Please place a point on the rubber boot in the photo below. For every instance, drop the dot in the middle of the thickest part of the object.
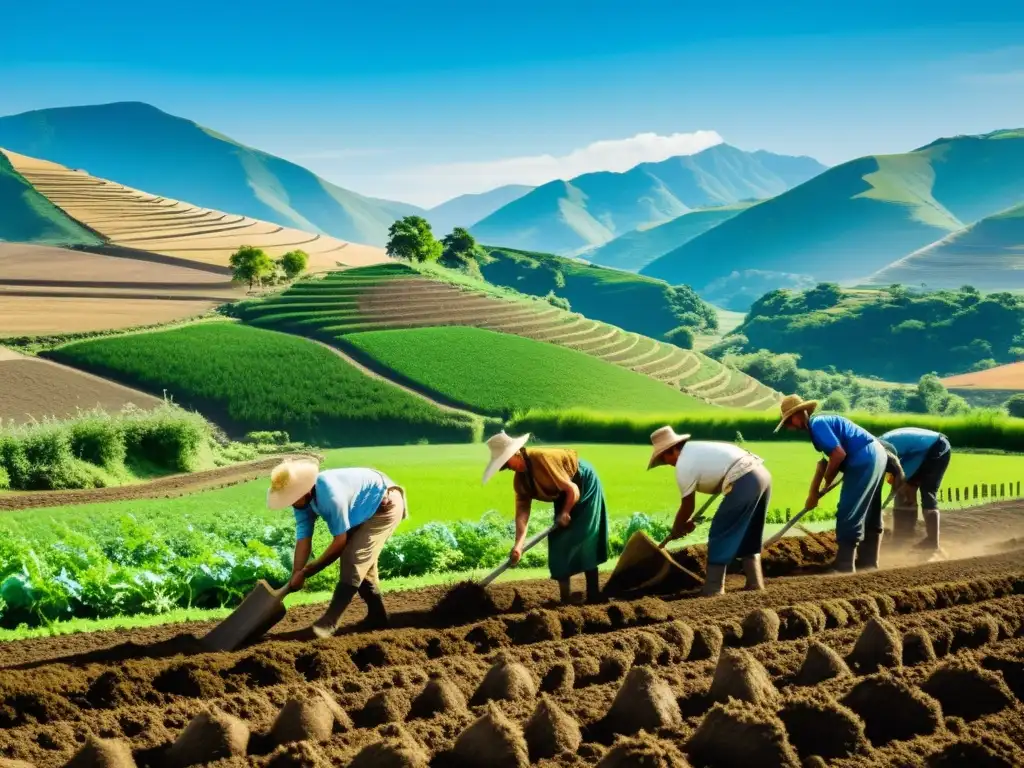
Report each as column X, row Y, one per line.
column 376, row 613
column 327, row 624
column 845, row 559
column 565, row 591
column 930, row 543
column 752, row 570
column 714, row 584
column 593, row 588
column 869, row 551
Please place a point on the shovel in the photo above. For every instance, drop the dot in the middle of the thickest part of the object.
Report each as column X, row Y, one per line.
column 696, row 519
column 528, row 545
column 259, row 611
column 796, row 518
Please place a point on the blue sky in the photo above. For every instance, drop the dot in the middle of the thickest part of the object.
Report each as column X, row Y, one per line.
column 420, row 101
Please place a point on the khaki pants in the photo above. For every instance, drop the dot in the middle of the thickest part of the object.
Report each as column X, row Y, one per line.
column 366, row 541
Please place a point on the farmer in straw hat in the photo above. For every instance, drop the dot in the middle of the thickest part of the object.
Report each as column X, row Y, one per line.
column 580, row 542
column 853, row 451
column 362, row 508
column 738, row 525
column 924, row 457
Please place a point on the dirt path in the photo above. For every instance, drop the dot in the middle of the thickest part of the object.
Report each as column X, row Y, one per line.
column 162, row 488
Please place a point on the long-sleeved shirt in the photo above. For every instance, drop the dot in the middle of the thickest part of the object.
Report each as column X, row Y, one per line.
column 343, row 498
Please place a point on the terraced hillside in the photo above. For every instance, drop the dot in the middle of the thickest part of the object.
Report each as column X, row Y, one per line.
column 137, row 220
column 988, row 255
column 393, row 297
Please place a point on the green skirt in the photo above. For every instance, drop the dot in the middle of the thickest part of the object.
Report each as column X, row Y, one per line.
column 584, row 544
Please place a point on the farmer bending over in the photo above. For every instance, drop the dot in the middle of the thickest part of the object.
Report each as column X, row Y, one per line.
column 924, row 456
column 860, row 457
column 579, row 543
column 362, row 508
column 738, row 525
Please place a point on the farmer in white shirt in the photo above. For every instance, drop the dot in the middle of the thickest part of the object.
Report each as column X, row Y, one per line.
column 745, row 485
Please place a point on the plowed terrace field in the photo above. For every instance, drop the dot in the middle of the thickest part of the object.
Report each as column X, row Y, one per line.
column 918, row 664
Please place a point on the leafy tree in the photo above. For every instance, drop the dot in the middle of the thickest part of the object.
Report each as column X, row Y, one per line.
column 823, row 296
column 294, row 263
column 682, row 336
column 250, row 265
column 837, row 402
column 459, row 250
column 873, row 404
column 1015, row 406
column 411, row 239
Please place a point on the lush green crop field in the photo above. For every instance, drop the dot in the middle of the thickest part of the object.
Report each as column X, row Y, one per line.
column 498, row 374
column 246, row 378
column 164, row 555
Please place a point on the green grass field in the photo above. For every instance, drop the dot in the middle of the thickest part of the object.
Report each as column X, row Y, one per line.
column 497, row 374
column 246, row 378
column 27, row 216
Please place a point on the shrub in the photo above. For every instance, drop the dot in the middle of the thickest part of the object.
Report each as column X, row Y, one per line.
column 294, row 263
column 682, row 337
column 557, row 301
column 266, row 437
column 837, row 402
column 98, row 439
column 1015, row 406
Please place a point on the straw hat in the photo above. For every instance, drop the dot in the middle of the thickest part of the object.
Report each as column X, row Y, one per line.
column 502, row 449
column 664, row 439
column 290, row 481
column 792, row 405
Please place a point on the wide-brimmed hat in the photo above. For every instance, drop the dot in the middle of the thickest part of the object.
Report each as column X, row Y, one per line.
column 664, row 439
column 290, row 481
column 502, row 447
column 792, row 405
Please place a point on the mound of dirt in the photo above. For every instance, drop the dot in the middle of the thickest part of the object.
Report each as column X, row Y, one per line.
column 111, row 689
column 820, row 664
column 551, row 731
column 491, row 741
column 398, row 749
column 301, row 754
column 34, row 706
column 438, row 697
column 879, row 645
column 536, row 627
column 967, row 692
column 209, row 736
column 311, row 718
column 650, row 649
column 801, row 620
column 986, row 752
column 561, row 678
column 818, row 725
column 6, row 763
column 103, row 753
column 643, row 751
column 323, row 663
column 707, row 642
column 260, row 669
column 837, row 613
column 679, row 636
column 740, row 676
column 736, row 734
column 892, row 710
column 613, row 666
column 506, row 680
column 981, row 630
column 465, row 602
column 645, row 702
column 917, row 647
column 390, row 706
column 187, row 679
column 761, row 626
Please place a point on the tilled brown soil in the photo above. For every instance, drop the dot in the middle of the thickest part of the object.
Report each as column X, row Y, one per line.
column 920, row 665
column 164, row 487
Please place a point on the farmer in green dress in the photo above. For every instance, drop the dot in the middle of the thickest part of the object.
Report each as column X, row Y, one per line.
column 579, row 543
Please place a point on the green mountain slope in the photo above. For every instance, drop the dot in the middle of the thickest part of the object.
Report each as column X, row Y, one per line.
column 27, row 216
column 567, row 217
column 988, row 254
column 636, row 303
column 467, row 210
column 858, row 217
column 639, row 247
column 140, row 146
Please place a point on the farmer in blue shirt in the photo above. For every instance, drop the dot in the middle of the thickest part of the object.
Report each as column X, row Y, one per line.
column 924, row 456
column 362, row 508
column 860, row 457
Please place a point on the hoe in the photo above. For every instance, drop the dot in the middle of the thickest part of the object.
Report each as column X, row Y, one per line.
column 261, row 610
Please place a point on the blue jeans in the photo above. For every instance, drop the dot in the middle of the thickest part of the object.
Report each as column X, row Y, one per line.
column 863, row 473
column 738, row 526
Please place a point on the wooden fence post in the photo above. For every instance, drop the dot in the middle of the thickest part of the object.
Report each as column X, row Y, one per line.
column 975, row 490
column 1002, row 490
column 957, row 491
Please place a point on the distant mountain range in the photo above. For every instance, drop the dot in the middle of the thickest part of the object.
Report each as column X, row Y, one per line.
column 569, row 217
column 856, row 218
column 467, row 210
column 140, row 146
column 988, row 254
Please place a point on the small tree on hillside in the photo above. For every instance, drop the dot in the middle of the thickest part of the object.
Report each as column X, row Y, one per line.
column 411, row 239
column 1015, row 406
column 250, row 265
column 682, row 337
column 294, row 263
column 460, row 251
column 836, row 402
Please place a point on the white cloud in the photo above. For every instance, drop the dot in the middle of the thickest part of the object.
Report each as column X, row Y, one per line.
column 430, row 185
